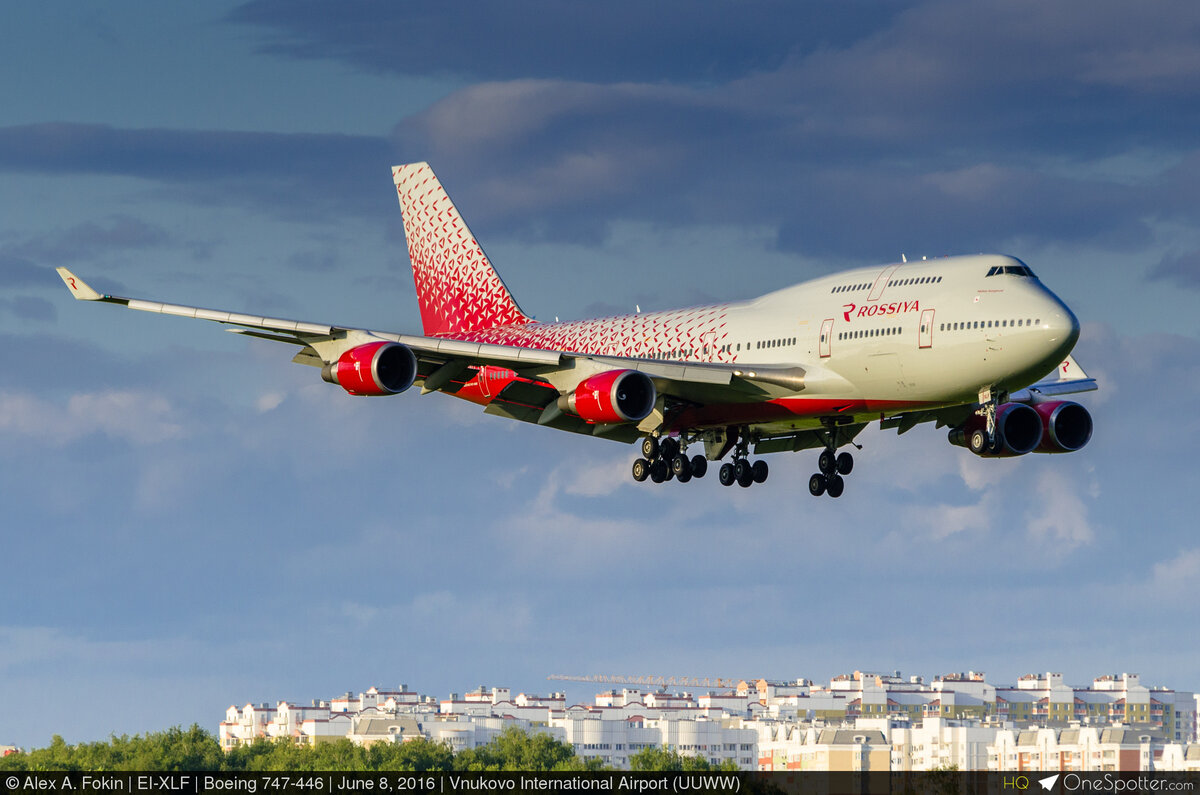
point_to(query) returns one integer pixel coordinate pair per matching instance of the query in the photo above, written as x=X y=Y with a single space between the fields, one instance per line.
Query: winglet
x=78 y=287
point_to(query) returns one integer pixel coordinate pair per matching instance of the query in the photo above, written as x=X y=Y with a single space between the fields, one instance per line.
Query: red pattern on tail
x=458 y=290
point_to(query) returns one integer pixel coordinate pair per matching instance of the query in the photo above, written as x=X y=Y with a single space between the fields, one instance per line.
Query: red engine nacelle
x=612 y=397
x=377 y=368
x=1018 y=431
x=1067 y=426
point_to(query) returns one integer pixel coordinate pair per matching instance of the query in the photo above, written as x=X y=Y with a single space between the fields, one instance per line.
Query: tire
x=649 y=448
x=668 y=448
x=684 y=477
x=827 y=463
x=759 y=471
x=745 y=478
x=681 y=466
x=658 y=471
x=741 y=468
x=834 y=486
x=845 y=463
x=816 y=485
x=726 y=474
x=977 y=441
x=641 y=469
x=699 y=466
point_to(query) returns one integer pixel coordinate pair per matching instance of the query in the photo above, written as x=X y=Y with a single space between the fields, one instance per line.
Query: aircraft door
x=881 y=282
x=925 y=338
x=826 y=336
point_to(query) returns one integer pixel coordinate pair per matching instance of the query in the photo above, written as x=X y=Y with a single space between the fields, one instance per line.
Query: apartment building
x=860 y=721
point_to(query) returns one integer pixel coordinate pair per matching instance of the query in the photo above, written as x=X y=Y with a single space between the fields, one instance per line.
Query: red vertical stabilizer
x=457 y=288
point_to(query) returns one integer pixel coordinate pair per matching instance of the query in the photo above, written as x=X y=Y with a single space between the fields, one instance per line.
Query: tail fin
x=457 y=288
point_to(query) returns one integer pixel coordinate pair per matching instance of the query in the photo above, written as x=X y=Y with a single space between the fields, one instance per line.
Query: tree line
x=179 y=749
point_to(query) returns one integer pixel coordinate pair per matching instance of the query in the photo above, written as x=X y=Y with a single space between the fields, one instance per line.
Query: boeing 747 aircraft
x=976 y=344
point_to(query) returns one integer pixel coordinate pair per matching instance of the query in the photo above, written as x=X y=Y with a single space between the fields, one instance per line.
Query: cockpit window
x=1015 y=270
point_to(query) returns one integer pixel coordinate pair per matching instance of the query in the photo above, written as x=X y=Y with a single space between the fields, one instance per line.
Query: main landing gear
x=741 y=471
x=829 y=479
x=664 y=459
x=834 y=467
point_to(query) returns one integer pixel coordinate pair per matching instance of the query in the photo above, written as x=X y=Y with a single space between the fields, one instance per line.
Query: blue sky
x=192 y=521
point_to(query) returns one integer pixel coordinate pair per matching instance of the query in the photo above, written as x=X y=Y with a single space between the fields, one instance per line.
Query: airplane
x=976 y=344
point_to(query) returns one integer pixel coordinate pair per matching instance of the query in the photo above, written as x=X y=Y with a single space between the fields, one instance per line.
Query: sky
x=192 y=521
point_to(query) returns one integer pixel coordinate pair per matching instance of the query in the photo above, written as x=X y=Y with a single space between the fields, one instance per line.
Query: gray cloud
x=28 y=307
x=1182 y=269
x=18 y=271
x=624 y=40
x=297 y=174
x=115 y=233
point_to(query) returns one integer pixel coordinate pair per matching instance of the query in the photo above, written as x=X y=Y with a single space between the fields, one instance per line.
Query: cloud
x=23 y=648
x=291 y=174
x=27 y=307
x=623 y=40
x=566 y=160
x=136 y=417
x=1058 y=519
x=1181 y=268
x=1177 y=577
x=18 y=271
x=115 y=233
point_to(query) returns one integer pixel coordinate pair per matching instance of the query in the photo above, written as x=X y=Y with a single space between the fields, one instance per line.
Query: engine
x=1067 y=426
x=612 y=397
x=1018 y=431
x=377 y=368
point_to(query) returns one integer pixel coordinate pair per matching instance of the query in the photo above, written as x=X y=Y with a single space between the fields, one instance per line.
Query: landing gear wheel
x=699 y=466
x=834 y=485
x=641 y=469
x=658 y=470
x=746 y=478
x=682 y=468
x=650 y=448
x=845 y=463
x=741 y=468
x=668 y=448
x=827 y=463
x=758 y=471
x=816 y=485
x=726 y=474
x=978 y=441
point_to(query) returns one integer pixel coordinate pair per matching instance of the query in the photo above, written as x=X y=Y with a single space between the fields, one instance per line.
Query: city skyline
x=187 y=512
x=860 y=720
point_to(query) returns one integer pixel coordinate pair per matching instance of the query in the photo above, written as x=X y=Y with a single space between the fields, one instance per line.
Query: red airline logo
x=880 y=310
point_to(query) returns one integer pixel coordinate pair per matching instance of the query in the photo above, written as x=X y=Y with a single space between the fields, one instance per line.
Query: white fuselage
x=869 y=342
x=929 y=331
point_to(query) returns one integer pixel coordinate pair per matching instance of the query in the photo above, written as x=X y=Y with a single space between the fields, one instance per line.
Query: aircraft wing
x=445 y=364
x=1068 y=379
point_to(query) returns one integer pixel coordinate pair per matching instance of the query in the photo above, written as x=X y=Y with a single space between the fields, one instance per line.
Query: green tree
x=419 y=754
x=663 y=759
x=174 y=749
x=515 y=749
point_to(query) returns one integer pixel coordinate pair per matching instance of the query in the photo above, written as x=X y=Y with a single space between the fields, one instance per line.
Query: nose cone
x=1061 y=328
